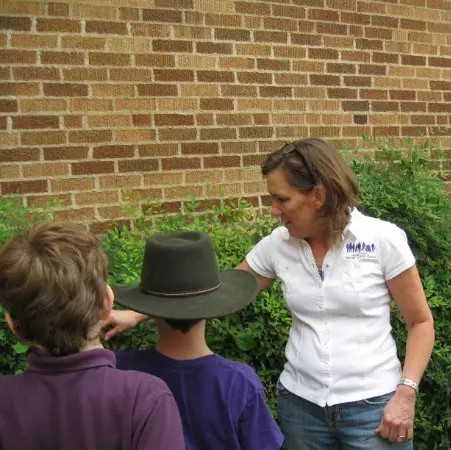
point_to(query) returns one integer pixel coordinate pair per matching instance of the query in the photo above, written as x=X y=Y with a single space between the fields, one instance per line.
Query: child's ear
x=10 y=323
x=107 y=302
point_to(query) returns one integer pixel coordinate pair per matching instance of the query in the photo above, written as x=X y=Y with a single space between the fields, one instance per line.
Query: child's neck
x=176 y=345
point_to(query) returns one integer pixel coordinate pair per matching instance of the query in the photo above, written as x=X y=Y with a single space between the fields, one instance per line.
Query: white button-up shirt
x=340 y=348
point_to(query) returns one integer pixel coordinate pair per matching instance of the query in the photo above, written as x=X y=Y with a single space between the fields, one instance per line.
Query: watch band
x=409 y=382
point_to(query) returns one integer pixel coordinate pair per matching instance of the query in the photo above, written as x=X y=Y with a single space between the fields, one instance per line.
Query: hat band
x=180 y=294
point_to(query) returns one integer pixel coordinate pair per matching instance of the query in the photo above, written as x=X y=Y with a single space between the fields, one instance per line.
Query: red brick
x=105 y=27
x=173 y=75
x=19 y=154
x=30 y=122
x=65 y=153
x=413 y=131
x=411 y=60
x=438 y=4
x=172 y=46
x=176 y=4
x=253 y=160
x=108 y=59
x=369 y=44
x=233 y=90
x=358 y=81
x=391 y=58
x=113 y=151
x=322 y=53
x=65 y=90
x=306 y=39
x=422 y=120
x=254 y=77
x=8 y=106
x=36 y=73
x=180 y=163
x=384 y=106
x=177 y=134
x=373 y=94
x=326 y=28
x=19 y=89
x=418 y=25
x=341 y=93
x=144 y=59
x=232 y=34
x=17 y=56
x=439 y=62
x=223 y=20
x=439 y=107
x=258 y=9
x=386 y=131
x=322 y=14
x=271 y=36
x=356 y=18
x=173 y=120
x=314 y=3
x=138 y=165
x=23 y=187
x=367 y=69
x=355 y=106
x=162 y=15
x=216 y=104
x=58 y=9
x=273 y=64
x=440 y=85
x=291 y=78
x=402 y=95
x=59 y=25
x=255 y=132
x=215 y=76
x=90 y=136
x=92 y=167
x=341 y=68
x=129 y=14
x=157 y=90
x=221 y=161
x=15 y=23
x=384 y=21
x=217 y=134
x=200 y=148
x=61 y=58
x=378 y=33
x=324 y=80
x=295 y=12
x=273 y=91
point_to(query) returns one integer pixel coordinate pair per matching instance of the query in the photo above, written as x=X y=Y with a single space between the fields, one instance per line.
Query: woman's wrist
x=141 y=318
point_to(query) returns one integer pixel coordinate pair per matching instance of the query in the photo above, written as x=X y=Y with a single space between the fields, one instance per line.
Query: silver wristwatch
x=409 y=382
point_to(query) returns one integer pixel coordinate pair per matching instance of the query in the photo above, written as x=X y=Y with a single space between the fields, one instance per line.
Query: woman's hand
x=120 y=321
x=397 y=419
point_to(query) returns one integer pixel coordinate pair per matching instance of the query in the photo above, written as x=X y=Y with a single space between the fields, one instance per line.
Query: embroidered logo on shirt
x=358 y=250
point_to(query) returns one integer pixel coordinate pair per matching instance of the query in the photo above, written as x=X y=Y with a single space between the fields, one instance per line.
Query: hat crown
x=179 y=264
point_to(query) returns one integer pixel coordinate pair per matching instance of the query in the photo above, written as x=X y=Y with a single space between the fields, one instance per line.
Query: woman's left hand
x=397 y=419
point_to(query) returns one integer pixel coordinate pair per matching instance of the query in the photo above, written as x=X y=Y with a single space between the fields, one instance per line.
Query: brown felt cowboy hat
x=180 y=280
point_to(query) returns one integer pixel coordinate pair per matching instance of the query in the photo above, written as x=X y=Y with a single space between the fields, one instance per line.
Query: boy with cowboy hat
x=54 y=291
x=222 y=402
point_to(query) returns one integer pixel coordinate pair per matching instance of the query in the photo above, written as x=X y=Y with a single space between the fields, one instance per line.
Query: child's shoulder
x=241 y=371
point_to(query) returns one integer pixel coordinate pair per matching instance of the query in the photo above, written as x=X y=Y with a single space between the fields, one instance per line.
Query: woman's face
x=297 y=210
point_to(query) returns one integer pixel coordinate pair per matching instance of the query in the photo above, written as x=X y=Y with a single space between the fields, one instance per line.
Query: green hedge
x=396 y=185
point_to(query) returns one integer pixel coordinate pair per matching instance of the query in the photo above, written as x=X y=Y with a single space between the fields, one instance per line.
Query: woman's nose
x=275 y=211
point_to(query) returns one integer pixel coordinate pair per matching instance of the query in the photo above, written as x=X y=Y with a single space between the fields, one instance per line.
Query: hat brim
x=238 y=288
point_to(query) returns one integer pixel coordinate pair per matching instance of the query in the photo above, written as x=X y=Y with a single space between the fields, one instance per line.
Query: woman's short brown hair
x=313 y=161
x=53 y=285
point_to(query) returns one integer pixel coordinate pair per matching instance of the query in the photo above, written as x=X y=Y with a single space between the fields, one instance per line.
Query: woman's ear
x=10 y=323
x=319 y=196
x=107 y=302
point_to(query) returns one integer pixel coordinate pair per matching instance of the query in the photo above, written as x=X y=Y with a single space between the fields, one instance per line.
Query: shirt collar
x=353 y=227
x=71 y=363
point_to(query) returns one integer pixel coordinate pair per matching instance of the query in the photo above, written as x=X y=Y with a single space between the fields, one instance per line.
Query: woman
x=342 y=386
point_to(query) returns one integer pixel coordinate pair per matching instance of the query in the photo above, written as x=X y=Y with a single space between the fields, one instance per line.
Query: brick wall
x=156 y=97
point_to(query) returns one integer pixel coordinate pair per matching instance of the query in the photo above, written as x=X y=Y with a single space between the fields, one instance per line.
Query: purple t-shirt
x=82 y=402
x=222 y=402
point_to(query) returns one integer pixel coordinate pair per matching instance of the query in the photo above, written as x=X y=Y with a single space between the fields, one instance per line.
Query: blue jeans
x=347 y=426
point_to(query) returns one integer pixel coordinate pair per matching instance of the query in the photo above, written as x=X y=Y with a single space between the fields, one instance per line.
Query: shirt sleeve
x=260 y=258
x=257 y=428
x=158 y=424
x=396 y=253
